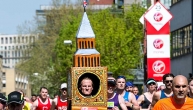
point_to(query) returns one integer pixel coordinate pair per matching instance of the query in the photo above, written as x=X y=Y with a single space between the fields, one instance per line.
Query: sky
x=15 y=12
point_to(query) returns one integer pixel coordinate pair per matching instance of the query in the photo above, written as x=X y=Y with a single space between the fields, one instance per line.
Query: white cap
x=63 y=85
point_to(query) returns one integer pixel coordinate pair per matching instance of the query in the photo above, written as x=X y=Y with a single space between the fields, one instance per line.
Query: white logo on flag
x=158 y=43
x=158 y=66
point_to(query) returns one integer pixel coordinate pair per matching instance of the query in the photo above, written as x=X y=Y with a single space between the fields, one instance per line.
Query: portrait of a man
x=88 y=85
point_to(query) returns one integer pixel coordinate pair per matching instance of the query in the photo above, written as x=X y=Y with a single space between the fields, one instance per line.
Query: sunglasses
x=63 y=89
x=119 y=77
x=167 y=81
x=2 y=102
x=152 y=83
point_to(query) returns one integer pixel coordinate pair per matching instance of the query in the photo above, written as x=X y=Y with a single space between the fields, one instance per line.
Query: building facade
x=14 y=48
x=181 y=37
x=14 y=80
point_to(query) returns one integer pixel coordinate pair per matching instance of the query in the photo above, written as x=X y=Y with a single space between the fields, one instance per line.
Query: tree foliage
x=117 y=40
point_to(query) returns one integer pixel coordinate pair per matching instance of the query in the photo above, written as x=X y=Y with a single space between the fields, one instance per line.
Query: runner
x=145 y=99
x=3 y=101
x=27 y=103
x=43 y=102
x=60 y=102
x=129 y=97
x=190 y=81
x=135 y=92
x=179 y=100
x=15 y=101
x=167 y=92
x=129 y=86
x=115 y=101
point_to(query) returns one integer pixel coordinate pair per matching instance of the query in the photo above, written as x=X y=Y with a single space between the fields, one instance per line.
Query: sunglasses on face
x=151 y=83
x=63 y=89
x=167 y=81
x=2 y=102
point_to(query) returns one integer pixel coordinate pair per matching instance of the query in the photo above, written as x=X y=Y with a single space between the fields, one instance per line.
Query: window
x=2 y=41
x=14 y=39
x=181 y=41
x=6 y=40
x=22 y=39
x=10 y=40
x=12 y=53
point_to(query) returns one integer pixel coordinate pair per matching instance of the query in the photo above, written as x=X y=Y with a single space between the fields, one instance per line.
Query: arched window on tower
x=85 y=44
x=98 y=60
x=82 y=45
x=86 y=61
x=89 y=62
x=95 y=62
x=78 y=61
x=89 y=44
x=92 y=44
x=79 y=43
x=82 y=61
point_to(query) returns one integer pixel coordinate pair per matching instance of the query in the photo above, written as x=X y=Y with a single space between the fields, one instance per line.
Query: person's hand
x=128 y=104
x=115 y=108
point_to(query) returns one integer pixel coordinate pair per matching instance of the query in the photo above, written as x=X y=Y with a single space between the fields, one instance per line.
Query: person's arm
x=155 y=98
x=140 y=99
x=132 y=102
x=122 y=103
x=54 y=103
x=34 y=105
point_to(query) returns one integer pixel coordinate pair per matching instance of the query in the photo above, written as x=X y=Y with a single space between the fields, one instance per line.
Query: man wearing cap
x=15 y=101
x=146 y=98
x=129 y=86
x=3 y=101
x=43 y=102
x=115 y=101
x=60 y=103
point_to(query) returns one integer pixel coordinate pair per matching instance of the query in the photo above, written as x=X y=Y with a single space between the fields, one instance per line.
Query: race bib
x=110 y=104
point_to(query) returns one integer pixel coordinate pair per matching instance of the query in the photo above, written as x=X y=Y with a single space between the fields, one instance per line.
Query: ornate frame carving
x=98 y=100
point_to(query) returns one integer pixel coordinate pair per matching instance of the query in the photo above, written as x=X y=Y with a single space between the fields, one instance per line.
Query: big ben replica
x=87 y=80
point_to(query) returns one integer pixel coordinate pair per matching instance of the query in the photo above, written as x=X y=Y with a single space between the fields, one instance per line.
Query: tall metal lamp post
x=69 y=42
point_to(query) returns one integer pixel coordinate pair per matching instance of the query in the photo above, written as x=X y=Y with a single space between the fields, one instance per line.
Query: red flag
x=84 y=3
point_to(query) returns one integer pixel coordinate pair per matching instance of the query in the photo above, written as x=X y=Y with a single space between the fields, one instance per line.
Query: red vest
x=42 y=106
x=61 y=105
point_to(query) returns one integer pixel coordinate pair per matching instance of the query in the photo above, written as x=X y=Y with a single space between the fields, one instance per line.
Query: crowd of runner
x=175 y=94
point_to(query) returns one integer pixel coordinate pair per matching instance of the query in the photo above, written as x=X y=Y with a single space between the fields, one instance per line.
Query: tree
x=42 y=56
x=117 y=39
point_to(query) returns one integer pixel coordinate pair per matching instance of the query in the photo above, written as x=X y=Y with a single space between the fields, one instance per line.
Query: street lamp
x=67 y=42
x=69 y=78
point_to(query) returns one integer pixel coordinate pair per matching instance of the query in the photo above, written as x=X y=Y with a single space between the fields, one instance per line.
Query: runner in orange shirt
x=179 y=100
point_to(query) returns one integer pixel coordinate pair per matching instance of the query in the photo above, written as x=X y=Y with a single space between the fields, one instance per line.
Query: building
x=13 y=48
x=181 y=37
x=11 y=80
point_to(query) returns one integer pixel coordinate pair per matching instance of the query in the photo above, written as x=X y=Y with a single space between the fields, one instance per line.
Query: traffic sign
x=158 y=16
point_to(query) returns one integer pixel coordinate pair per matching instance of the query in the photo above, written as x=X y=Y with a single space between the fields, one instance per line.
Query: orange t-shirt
x=169 y=104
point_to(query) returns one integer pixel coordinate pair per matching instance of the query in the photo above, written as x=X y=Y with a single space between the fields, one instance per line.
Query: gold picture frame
x=99 y=77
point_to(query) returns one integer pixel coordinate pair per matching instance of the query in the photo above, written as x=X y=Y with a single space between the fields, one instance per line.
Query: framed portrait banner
x=88 y=88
